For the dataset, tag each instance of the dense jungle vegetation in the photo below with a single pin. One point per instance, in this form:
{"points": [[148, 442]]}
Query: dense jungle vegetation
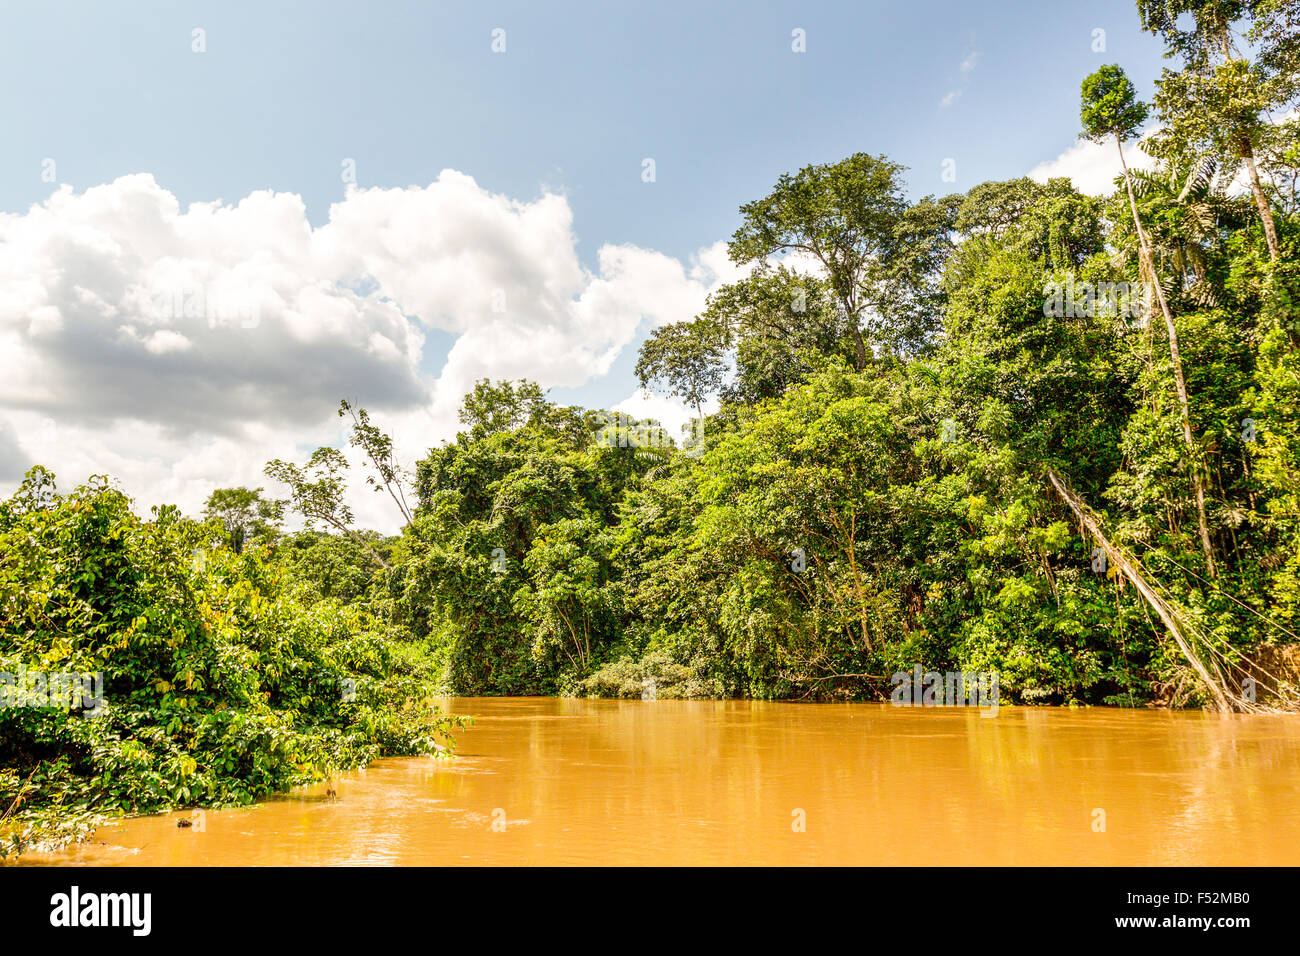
{"points": [[1018, 429]]}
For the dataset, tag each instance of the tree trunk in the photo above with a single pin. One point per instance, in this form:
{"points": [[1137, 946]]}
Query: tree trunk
{"points": [[1176, 360], [860, 353], [1222, 698], [1261, 202], [852, 310], [1247, 153]]}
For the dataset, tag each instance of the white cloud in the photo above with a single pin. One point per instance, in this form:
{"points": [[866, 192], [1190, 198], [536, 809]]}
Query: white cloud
{"points": [[115, 305], [966, 68], [179, 349], [669, 412], [160, 342], [1092, 167]]}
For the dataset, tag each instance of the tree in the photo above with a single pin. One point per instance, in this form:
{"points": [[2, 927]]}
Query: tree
{"points": [[573, 601], [1218, 102], [852, 219], [245, 514], [188, 683], [378, 447], [1050, 223], [518, 510], [687, 357], [903, 288], [781, 324], [1110, 109], [316, 492], [490, 408]]}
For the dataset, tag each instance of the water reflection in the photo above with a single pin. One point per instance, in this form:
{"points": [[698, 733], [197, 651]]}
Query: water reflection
{"points": [[555, 781]]}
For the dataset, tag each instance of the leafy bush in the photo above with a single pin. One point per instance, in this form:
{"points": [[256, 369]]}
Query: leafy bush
{"points": [[222, 680], [656, 673]]}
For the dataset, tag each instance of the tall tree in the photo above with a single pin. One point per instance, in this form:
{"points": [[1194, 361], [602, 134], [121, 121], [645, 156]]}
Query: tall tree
{"points": [[1110, 109], [852, 219], [686, 357], [316, 492], [1219, 101], [378, 447]]}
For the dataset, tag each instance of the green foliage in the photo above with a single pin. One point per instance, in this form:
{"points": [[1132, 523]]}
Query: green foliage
{"points": [[897, 380], [842, 521], [781, 325], [317, 492], [244, 515], [687, 357], [224, 679], [656, 676], [1048, 224], [510, 564], [879, 253], [490, 408], [1110, 106]]}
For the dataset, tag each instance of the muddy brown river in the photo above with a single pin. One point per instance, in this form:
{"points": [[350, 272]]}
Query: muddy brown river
{"points": [[556, 781]]}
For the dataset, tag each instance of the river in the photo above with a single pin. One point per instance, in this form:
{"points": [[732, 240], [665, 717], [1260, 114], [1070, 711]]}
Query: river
{"points": [[558, 781]]}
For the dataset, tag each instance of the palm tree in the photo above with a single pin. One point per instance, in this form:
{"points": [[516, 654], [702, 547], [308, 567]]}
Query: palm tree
{"points": [[1221, 100], [1188, 204]]}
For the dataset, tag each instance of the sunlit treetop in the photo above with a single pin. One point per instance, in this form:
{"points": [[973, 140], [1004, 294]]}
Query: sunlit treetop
{"points": [[1109, 105]]}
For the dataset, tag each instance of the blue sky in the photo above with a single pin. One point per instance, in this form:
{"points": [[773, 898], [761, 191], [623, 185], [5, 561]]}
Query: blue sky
{"points": [[584, 91], [284, 93]]}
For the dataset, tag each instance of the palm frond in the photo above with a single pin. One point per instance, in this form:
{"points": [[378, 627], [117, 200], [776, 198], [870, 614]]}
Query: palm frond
{"points": [[1145, 183], [1198, 179]]}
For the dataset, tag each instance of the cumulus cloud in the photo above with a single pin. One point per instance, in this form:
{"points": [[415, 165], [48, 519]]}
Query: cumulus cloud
{"points": [[117, 305], [1092, 167], [180, 348]]}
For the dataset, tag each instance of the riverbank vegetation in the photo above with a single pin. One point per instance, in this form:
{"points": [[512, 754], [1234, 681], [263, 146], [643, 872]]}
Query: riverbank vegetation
{"points": [[1018, 430], [153, 664]]}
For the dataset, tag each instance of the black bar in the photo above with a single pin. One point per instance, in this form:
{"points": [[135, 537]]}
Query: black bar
{"points": [[310, 906]]}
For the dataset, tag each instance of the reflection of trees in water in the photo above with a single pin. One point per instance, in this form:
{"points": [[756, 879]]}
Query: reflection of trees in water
{"points": [[615, 781]]}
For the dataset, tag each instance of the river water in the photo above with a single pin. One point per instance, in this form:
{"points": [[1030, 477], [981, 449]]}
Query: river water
{"points": [[556, 781]]}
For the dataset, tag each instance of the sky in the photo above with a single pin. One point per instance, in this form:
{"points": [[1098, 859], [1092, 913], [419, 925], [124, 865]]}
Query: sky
{"points": [[218, 219]]}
